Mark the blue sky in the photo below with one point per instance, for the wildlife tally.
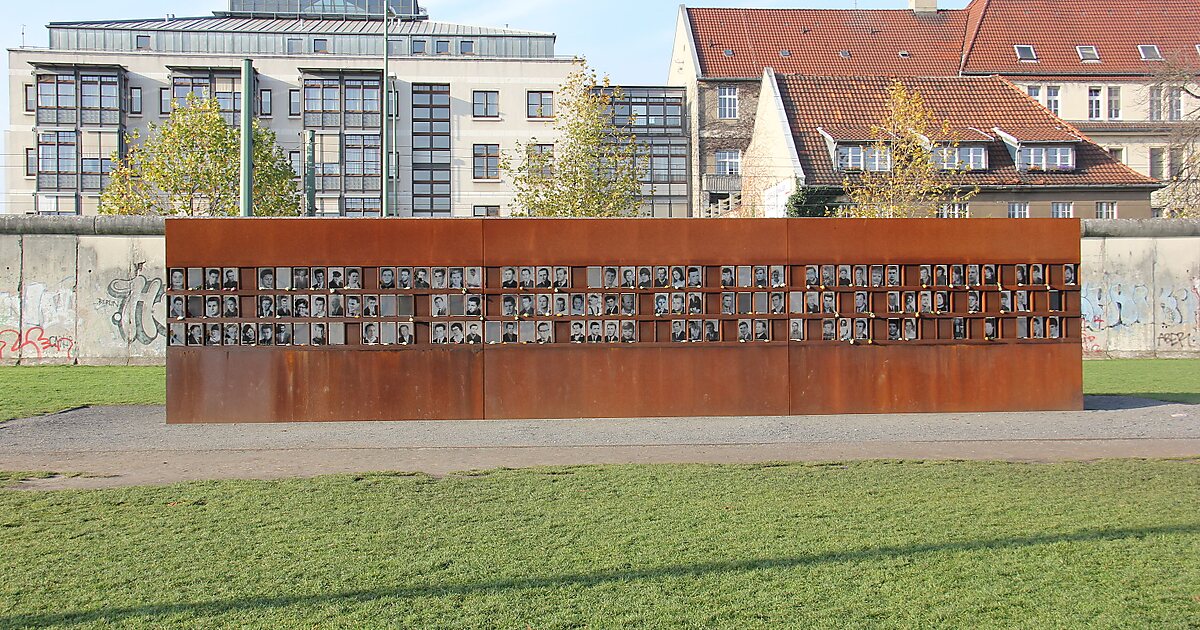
(628, 39)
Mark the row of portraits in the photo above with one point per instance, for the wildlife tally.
(320, 305)
(591, 331)
(614, 277)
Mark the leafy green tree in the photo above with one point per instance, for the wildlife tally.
(189, 166)
(813, 201)
(594, 167)
(914, 186)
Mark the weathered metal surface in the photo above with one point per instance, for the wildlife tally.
(653, 377)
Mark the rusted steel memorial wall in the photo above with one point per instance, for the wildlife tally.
(277, 320)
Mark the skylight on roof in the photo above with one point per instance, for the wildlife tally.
(844, 54)
(1150, 52)
(1088, 53)
(728, 52)
(1198, 49)
(1025, 53)
(785, 53)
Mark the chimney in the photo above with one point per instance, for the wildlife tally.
(923, 6)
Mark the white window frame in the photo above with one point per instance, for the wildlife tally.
(1062, 209)
(728, 162)
(851, 157)
(1117, 153)
(954, 211)
(876, 160)
(1018, 209)
(1095, 102)
(1030, 58)
(1106, 210)
(1174, 103)
(1053, 98)
(1114, 102)
(1155, 53)
(1088, 54)
(727, 102)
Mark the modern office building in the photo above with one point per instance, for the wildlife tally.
(1097, 65)
(459, 96)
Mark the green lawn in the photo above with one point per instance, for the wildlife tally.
(1175, 380)
(875, 544)
(32, 390)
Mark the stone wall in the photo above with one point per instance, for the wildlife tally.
(89, 290)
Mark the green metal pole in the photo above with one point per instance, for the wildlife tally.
(310, 171)
(383, 129)
(247, 180)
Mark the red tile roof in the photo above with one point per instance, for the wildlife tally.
(1055, 27)
(976, 40)
(814, 38)
(982, 103)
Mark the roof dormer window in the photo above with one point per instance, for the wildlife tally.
(1150, 52)
(1088, 54)
(1025, 53)
(1051, 157)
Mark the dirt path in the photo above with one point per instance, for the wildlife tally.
(122, 446)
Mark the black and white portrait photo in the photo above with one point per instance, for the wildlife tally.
(508, 306)
(212, 306)
(845, 330)
(595, 332)
(678, 330)
(712, 330)
(828, 275)
(353, 306)
(828, 329)
(404, 278)
(1037, 274)
(678, 303)
(1023, 301)
(957, 278)
(778, 276)
(562, 277)
(812, 302)
(474, 278)
(662, 278)
(926, 275)
(458, 333)
(796, 330)
(974, 305)
(1069, 275)
(960, 328)
(829, 302)
(595, 304)
(926, 301)
(1022, 274)
(370, 334)
(628, 278)
(973, 275)
(249, 335)
(543, 281)
(508, 277)
(745, 330)
(1006, 305)
(474, 305)
(612, 277)
(195, 335)
(320, 334)
(876, 275)
(336, 306)
(544, 333)
(893, 302)
(283, 334)
(860, 275)
(910, 329)
(812, 276)
(578, 305)
(728, 304)
(989, 328)
(989, 275)
(678, 278)
(212, 335)
(941, 301)
(1038, 328)
(317, 277)
(861, 304)
(578, 333)
(611, 305)
(612, 331)
(910, 301)
(337, 278)
(300, 278)
(543, 305)
(177, 308)
(439, 334)
(728, 277)
(629, 304)
(695, 277)
(266, 278)
(843, 276)
(266, 335)
(230, 307)
(1053, 327)
(212, 279)
(230, 280)
(421, 278)
(176, 335)
(438, 278)
(177, 279)
(662, 303)
(525, 306)
(861, 329)
(370, 306)
(456, 278)
(940, 277)
(777, 305)
(695, 330)
(893, 275)
(760, 276)
(893, 330)
(387, 278)
(695, 303)
(404, 334)
(283, 306)
(474, 333)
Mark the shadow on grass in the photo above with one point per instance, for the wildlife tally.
(1117, 402)
(216, 607)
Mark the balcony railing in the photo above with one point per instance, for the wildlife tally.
(714, 183)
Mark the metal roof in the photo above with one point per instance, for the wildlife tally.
(293, 25)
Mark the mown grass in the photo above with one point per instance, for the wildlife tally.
(33, 390)
(873, 544)
(1175, 380)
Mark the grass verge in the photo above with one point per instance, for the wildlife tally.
(34, 390)
(1106, 544)
(1175, 380)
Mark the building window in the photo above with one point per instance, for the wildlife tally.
(1106, 209)
(1175, 166)
(1094, 94)
(487, 211)
(1149, 52)
(363, 160)
(487, 161)
(466, 47)
(363, 103)
(327, 162)
(142, 42)
(486, 104)
(31, 162)
(295, 46)
(850, 157)
(320, 45)
(1047, 158)
(164, 101)
(1062, 209)
(1156, 103)
(294, 106)
(58, 155)
(545, 153)
(1175, 103)
(441, 47)
(229, 99)
(364, 207)
(431, 149)
(135, 101)
(1025, 53)
(419, 46)
(962, 158)
(56, 99)
(729, 162)
(1052, 101)
(1114, 102)
(297, 165)
(182, 87)
(954, 211)
(322, 103)
(1018, 209)
(878, 160)
(1088, 53)
(1118, 153)
(1034, 91)
(57, 204)
(727, 102)
(265, 106)
(1157, 155)
(30, 98)
(539, 105)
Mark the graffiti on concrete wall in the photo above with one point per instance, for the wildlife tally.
(132, 303)
(35, 343)
(1119, 314)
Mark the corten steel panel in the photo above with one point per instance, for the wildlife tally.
(313, 385)
(922, 378)
(228, 384)
(616, 382)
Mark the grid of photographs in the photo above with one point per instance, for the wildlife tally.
(406, 306)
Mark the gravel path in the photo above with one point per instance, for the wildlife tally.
(123, 446)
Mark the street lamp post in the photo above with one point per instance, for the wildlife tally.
(383, 129)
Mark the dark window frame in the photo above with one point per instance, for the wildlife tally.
(485, 162)
(135, 101)
(490, 107)
(538, 110)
